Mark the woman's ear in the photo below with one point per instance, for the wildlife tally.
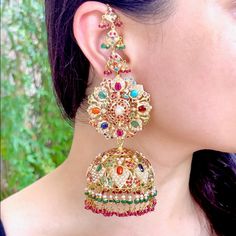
(89, 36)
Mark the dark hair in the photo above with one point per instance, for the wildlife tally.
(213, 174)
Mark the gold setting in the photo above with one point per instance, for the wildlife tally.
(120, 181)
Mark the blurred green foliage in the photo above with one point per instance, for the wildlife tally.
(34, 137)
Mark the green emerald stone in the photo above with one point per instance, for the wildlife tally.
(99, 167)
(104, 46)
(105, 200)
(104, 180)
(102, 95)
(136, 201)
(135, 123)
(110, 182)
(121, 47)
(123, 201)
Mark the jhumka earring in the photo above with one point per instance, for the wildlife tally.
(120, 181)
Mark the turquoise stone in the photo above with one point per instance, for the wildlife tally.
(102, 95)
(125, 96)
(134, 93)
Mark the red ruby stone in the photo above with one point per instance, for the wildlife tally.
(117, 86)
(120, 132)
(142, 108)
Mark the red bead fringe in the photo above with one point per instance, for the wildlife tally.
(124, 214)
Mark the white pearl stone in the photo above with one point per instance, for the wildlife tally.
(119, 110)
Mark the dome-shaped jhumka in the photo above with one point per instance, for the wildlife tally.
(120, 182)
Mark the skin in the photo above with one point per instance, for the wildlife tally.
(187, 64)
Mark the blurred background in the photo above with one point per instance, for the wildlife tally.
(34, 137)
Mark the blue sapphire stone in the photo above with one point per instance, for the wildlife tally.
(104, 125)
(140, 166)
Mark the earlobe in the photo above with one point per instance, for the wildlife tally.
(88, 35)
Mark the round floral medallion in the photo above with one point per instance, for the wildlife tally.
(119, 107)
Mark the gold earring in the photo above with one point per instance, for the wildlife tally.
(120, 181)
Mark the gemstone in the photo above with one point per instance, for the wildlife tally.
(95, 110)
(119, 132)
(102, 95)
(104, 125)
(104, 46)
(118, 86)
(119, 111)
(140, 166)
(99, 167)
(136, 201)
(119, 170)
(142, 108)
(135, 123)
(125, 96)
(121, 47)
(105, 200)
(134, 93)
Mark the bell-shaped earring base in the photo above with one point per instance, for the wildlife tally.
(120, 182)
